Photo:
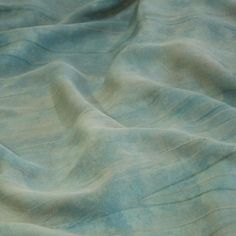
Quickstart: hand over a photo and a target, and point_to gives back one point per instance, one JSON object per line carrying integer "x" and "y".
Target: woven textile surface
{"x": 117, "y": 117}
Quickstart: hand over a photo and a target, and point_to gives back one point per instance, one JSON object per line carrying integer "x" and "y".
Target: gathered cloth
{"x": 117, "y": 118}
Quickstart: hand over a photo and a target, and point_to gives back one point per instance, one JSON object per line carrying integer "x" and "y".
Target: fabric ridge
{"x": 117, "y": 117}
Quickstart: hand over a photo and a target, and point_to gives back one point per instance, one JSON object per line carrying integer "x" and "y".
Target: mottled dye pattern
{"x": 117, "y": 117}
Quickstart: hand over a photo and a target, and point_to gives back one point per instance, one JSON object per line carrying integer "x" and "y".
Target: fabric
{"x": 117, "y": 117}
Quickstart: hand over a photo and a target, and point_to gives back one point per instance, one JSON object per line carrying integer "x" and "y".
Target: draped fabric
{"x": 117, "y": 117}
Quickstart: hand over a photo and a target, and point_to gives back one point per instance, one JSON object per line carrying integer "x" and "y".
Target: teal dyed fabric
{"x": 117, "y": 117}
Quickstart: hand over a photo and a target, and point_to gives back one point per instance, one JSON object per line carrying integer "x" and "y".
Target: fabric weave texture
{"x": 117, "y": 117}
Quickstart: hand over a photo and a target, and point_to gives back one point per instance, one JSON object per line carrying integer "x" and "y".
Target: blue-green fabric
{"x": 117, "y": 117}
